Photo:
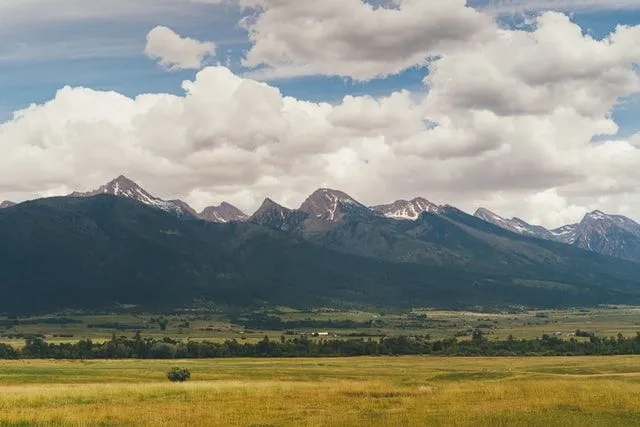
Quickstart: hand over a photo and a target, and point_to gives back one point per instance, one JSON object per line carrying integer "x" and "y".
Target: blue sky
{"x": 107, "y": 54}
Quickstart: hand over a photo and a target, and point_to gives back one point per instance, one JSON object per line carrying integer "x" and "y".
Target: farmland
{"x": 253, "y": 326}
{"x": 575, "y": 391}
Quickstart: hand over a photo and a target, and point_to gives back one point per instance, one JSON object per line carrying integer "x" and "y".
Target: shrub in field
{"x": 178, "y": 375}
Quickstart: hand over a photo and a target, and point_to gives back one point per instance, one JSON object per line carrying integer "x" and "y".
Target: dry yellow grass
{"x": 411, "y": 391}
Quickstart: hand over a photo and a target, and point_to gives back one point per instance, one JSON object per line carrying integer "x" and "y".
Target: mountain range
{"x": 124, "y": 187}
{"x": 119, "y": 244}
{"x": 613, "y": 235}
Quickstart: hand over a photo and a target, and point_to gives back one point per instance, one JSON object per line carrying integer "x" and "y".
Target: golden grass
{"x": 411, "y": 391}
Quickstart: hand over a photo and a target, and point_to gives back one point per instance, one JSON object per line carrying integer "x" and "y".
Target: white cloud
{"x": 353, "y": 38}
{"x": 177, "y": 53}
{"x": 514, "y": 112}
{"x": 536, "y": 72}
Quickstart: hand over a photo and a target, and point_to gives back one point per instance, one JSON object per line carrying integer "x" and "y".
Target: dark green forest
{"x": 146, "y": 348}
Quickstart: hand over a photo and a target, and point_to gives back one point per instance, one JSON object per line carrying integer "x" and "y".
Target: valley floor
{"x": 402, "y": 391}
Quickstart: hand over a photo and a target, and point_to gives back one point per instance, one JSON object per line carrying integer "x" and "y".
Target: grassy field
{"x": 406, "y": 391}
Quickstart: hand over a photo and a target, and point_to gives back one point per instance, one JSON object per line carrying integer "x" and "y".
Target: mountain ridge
{"x": 97, "y": 251}
{"x": 325, "y": 209}
{"x": 613, "y": 235}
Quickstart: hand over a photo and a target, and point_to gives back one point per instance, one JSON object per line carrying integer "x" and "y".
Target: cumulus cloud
{"x": 174, "y": 52}
{"x": 536, "y": 72}
{"x": 354, "y": 38}
{"x": 507, "y": 121}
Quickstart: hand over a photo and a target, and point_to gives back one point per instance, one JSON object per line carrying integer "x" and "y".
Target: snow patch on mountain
{"x": 407, "y": 209}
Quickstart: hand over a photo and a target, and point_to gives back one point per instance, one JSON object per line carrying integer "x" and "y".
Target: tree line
{"x": 167, "y": 348}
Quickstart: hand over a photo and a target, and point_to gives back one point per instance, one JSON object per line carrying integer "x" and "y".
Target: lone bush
{"x": 178, "y": 375}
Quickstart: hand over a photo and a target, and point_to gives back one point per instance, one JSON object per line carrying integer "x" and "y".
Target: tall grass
{"x": 413, "y": 391}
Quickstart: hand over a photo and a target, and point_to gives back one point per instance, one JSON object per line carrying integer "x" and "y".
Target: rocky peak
{"x": 334, "y": 205}
{"x": 223, "y": 213}
{"x": 272, "y": 215}
{"x": 493, "y": 218}
{"x": 6, "y": 204}
{"x": 596, "y": 216}
{"x": 124, "y": 187}
{"x": 271, "y": 208}
{"x": 409, "y": 210}
{"x": 515, "y": 225}
{"x": 121, "y": 186}
{"x": 566, "y": 233}
{"x": 613, "y": 235}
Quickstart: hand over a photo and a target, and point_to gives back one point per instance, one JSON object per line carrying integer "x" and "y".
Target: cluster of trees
{"x": 478, "y": 345}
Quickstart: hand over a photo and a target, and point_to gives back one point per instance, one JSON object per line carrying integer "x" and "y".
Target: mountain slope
{"x": 97, "y": 251}
{"x": 6, "y": 204}
{"x": 454, "y": 240}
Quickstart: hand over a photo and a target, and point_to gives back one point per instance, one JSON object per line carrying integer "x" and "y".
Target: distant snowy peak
{"x": 6, "y": 204}
{"x": 124, "y": 187}
{"x": 515, "y": 225}
{"x": 334, "y": 205}
{"x": 495, "y": 219}
{"x": 223, "y": 214}
{"x": 407, "y": 209}
{"x": 614, "y": 235}
{"x": 527, "y": 229}
{"x": 565, "y": 234}
{"x": 620, "y": 221}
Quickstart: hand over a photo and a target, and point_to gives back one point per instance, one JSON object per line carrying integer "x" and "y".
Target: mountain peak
{"x": 516, "y": 225}
{"x": 269, "y": 204}
{"x": 489, "y": 216}
{"x": 597, "y": 215}
{"x": 223, "y": 213}
{"x": 334, "y": 205}
{"x": 127, "y": 188}
{"x": 120, "y": 186}
{"x": 486, "y": 212}
{"x": 409, "y": 210}
{"x": 271, "y": 214}
{"x": 6, "y": 204}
